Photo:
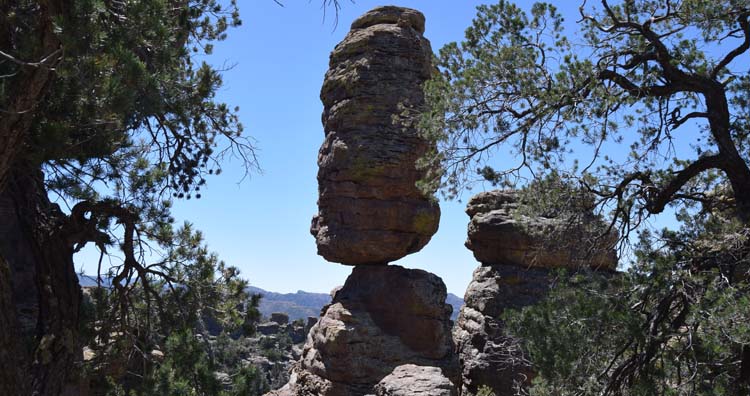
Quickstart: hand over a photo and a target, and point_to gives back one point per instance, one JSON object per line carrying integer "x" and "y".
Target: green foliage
{"x": 274, "y": 348}
{"x": 174, "y": 313}
{"x": 674, "y": 324}
{"x": 485, "y": 391}
{"x": 634, "y": 77}
{"x": 249, "y": 381}
{"x": 642, "y": 108}
{"x": 186, "y": 369}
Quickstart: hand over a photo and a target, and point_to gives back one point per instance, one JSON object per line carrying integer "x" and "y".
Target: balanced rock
{"x": 382, "y": 318}
{"x": 500, "y": 233}
{"x": 517, "y": 259}
{"x": 369, "y": 209}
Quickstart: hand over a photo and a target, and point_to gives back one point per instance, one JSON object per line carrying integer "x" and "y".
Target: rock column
{"x": 370, "y": 210}
{"x": 387, "y": 331}
{"x": 515, "y": 272}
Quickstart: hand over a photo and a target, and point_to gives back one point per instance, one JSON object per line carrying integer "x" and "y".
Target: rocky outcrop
{"x": 517, "y": 260}
{"x": 369, "y": 208}
{"x": 387, "y": 330}
{"x": 487, "y": 354}
{"x": 280, "y": 318}
{"x": 501, "y": 233}
{"x": 382, "y": 318}
{"x": 409, "y": 379}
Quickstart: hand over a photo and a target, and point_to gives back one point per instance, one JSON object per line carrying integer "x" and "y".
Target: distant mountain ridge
{"x": 302, "y": 304}
{"x": 297, "y": 305}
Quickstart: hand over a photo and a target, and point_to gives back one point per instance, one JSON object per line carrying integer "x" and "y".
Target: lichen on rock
{"x": 500, "y": 232}
{"x": 382, "y": 318}
{"x": 370, "y": 210}
{"x": 519, "y": 254}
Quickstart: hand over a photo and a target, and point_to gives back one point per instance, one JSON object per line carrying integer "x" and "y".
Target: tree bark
{"x": 39, "y": 292}
{"x": 30, "y": 86}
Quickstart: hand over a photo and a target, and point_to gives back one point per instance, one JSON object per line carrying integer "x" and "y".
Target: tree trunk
{"x": 39, "y": 292}
{"x": 31, "y": 84}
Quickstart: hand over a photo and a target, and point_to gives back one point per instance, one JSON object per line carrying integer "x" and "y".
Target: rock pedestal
{"x": 516, "y": 264}
{"x": 383, "y": 318}
{"x": 369, "y": 208}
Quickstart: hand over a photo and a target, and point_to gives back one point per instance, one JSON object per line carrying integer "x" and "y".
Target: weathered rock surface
{"x": 268, "y": 328}
{"x": 487, "y": 354}
{"x": 410, "y": 380}
{"x": 280, "y": 318}
{"x": 382, "y": 318}
{"x": 369, "y": 209}
{"x": 515, "y": 273}
{"x": 498, "y": 233}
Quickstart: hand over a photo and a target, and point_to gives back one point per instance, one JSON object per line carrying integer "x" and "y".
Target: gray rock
{"x": 383, "y": 317}
{"x": 280, "y": 318}
{"x": 369, "y": 208}
{"x": 488, "y": 354}
{"x": 311, "y": 321}
{"x": 501, "y": 234}
{"x": 410, "y": 379}
{"x": 268, "y": 328}
{"x": 517, "y": 259}
{"x": 297, "y": 334}
{"x": 224, "y": 379}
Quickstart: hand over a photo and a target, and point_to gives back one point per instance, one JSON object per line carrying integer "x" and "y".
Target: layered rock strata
{"x": 387, "y": 330}
{"x": 500, "y": 232}
{"x": 369, "y": 208}
{"x": 383, "y": 318}
{"x": 516, "y": 268}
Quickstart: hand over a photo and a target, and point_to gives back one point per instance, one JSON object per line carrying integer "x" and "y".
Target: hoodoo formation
{"x": 515, "y": 272}
{"x": 387, "y": 324}
{"x": 387, "y": 331}
{"x": 369, "y": 208}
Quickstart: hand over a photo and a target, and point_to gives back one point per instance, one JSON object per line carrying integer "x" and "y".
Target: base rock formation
{"x": 516, "y": 270}
{"x": 386, "y": 326}
{"x": 410, "y": 379}
{"x": 369, "y": 208}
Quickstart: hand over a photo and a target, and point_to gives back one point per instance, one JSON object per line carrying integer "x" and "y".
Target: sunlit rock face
{"x": 518, "y": 259}
{"x": 413, "y": 380}
{"x": 387, "y": 330}
{"x": 386, "y": 326}
{"x": 369, "y": 209}
{"x": 500, "y": 234}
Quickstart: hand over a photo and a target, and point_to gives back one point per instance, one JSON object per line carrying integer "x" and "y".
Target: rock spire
{"x": 370, "y": 210}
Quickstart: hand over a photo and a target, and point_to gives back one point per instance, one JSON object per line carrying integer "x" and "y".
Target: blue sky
{"x": 261, "y": 224}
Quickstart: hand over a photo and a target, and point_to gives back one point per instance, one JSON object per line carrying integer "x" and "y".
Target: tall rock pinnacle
{"x": 370, "y": 211}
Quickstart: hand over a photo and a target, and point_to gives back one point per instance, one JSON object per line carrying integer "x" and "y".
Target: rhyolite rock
{"x": 518, "y": 257}
{"x": 279, "y": 317}
{"x": 500, "y": 233}
{"x": 488, "y": 355}
{"x": 268, "y": 328}
{"x": 382, "y": 318}
{"x": 369, "y": 209}
{"x": 410, "y": 379}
